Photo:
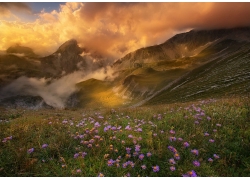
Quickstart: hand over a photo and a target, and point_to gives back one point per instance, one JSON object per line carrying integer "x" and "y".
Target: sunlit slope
{"x": 95, "y": 93}
{"x": 223, "y": 76}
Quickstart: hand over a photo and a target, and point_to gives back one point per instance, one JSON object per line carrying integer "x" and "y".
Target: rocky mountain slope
{"x": 188, "y": 66}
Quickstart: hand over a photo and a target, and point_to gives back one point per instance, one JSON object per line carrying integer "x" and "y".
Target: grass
{"x": 69, "y": 133}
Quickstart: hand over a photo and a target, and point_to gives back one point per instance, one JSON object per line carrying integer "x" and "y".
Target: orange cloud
{"x": 114, "y": 29}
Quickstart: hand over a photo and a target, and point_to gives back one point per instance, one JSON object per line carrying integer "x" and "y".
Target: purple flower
{"x": 154, "y": 134}
{"x": 84, "y": 154}
{"x": 190, "y": 174}
{"x": 172, "y": 168}
{"x": 180, "y": 139}
{"x": 172, "y": 139}
{"x": 219, "y": 125}
{"x": 139, "y": 129}
{"x": 210, "y": 160}
{"x": 172, "y": 161}
{"x": 196, "y": 122}
{"x": 128, "y": 127}
{"x": 143, "y": 166}
{"x": 186, "y": 144}
{"x": 128, "y": 150}
{"x": 130, "y": 136}
{"x": 110, "y": 162}
{"x": 208, "y": 118}
{"x": 124, "y": 165}
{"x": 206, "y": 134}
{"x": 216, "y": 156}
{"x": 196, "y": 163}
{"x": 76, "y": 155}
{"x": 44, "y": 146}
{"x": 137, "y": 148}
{"x": 215, "y": 130}
{"x": 176, "y": 156}
{"x": 31, "y": 150}
{"x": 149, "y": 154}
{"x": 156, "y": 168}
{"x": 211, "y": 140}
{"x": 172, "y": 131}
{"x": 195, "y": 152}
{"x": 172, "y": 149}
{"x": 141, "y": 156}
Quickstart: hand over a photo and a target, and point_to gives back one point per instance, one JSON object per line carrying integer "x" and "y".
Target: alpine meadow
{"x": 96, "y": 89}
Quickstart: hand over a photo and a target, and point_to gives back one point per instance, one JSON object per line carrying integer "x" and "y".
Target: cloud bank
{"x": 115, "y": 29}
{"x": 55, "y": 92}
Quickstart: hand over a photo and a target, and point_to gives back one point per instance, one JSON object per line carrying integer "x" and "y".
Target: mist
{"x": 55, "y": 92}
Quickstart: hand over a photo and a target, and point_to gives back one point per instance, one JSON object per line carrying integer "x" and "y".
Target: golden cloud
{"x": 114, "y": 29}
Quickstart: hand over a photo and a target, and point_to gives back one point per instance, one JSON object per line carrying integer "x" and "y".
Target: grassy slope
{"x": 95, "y": 93}
{"x": 62, "y": 130}
{"x": 228, "y": 75}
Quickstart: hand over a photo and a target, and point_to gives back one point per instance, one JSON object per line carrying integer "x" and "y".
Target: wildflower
{"x": 172, "y": 139}
{"x": 123, "y": 142}
{"x": 44, "y": 146}
{"x": 89, "y": 145}
{"x": 31, "y": 150}
{"x": 196, "y": 163}
{"x": 130, "y": 136}
{"x": 139, "y": 129}
{"x": 176, "y": 156}
{"x": 186, "y": 144}
{"x": 117, "y": 165}
{"x": 139, "y": 138}
{"x": 84, "y": 154}
{"x": 141, "y": 156}
{"x": 162, "y": 131}
{"x": 110, "y": 162}
{"x": 149, "y": 154}
{"x": 219, "y": 125}
{"x": 172, "y": 131}
{"x": 196, "y": 122}
{"x": 215, "y": 130}
{"x": 106, "y": 156}
{"x": 172, "y": 161}
{"x": 180, "y": 139}
{"x": 211, "y": 140}
{"x": 128, "y": 150}
{"x": 127, "y": 175}
{"x": 135, "y": 154}
{"x": 206, "y": 134}
{"x": 190, "y": 174}
{"x": 137, "y": 148}
{"x": 76, "y": 155}
{"x": 63, "y": 165}
{"x": 171, "y": 148}
{"x": 208, "y": 118}
{"x": 210, "y": 160}
{"x": 195, "y": 152}
{"x": 143, "y": 166}
{"x": 154, "y": 134}
{"x": 78, "y": 170}
{"x": 100, "y": 175}
{"x": 156, "y": 168}
{"x": 216, "y": 156}
{"x": 124, "y": 165}
{"x": 127, "y": 127}
{"x": 172, "y": 168}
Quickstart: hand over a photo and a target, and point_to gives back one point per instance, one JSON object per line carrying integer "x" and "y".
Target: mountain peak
{"x": 70, "y": 46}
{"x": 17, "y": 49}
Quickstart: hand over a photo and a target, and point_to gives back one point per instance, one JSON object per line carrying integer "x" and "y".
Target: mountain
{"x": 194, "y": 65}
{"x": 65, "y": 60}
{"x": 21, "y": 51}
{"x": 178, "y": 60}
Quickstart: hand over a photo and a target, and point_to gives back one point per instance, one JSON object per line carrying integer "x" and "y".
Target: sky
{"x": 111, "y": 29}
